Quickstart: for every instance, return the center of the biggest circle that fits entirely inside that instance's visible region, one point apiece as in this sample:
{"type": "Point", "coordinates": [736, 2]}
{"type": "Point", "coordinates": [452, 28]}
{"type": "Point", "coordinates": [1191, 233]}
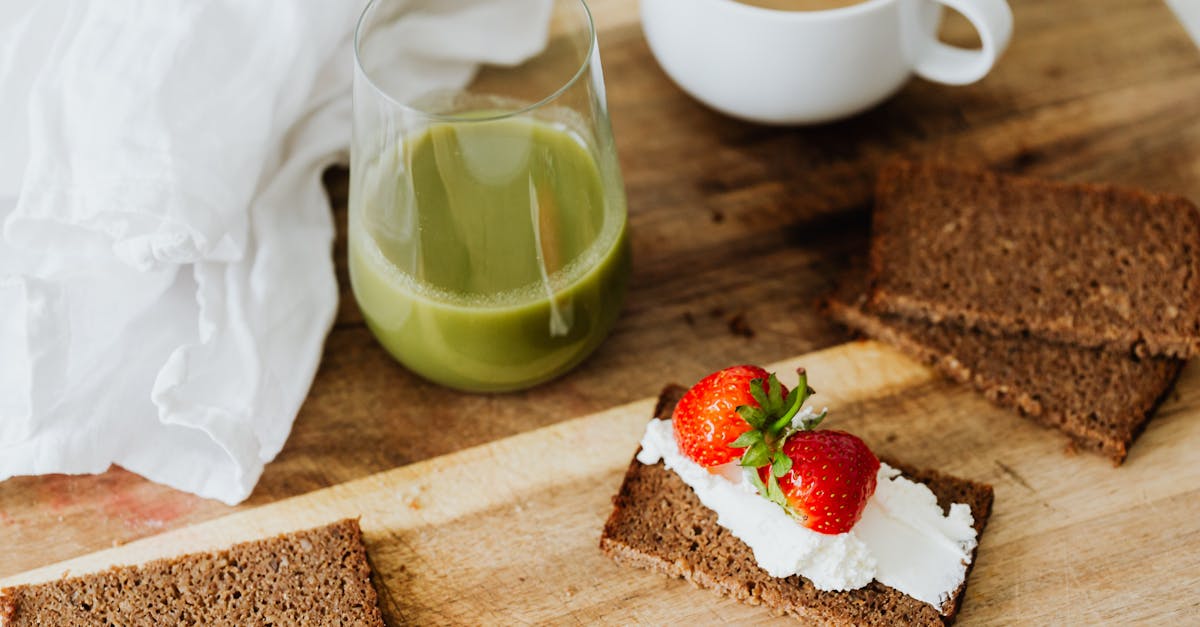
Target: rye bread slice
{"type": "Point", "coordinates": [658, 524]}
{"type": "Point", "coordinates": [314, 577]}
{"type": "Point", "coordinates": [1092, 265]}
{"type": "Point", "coordinates": [1102, 400]}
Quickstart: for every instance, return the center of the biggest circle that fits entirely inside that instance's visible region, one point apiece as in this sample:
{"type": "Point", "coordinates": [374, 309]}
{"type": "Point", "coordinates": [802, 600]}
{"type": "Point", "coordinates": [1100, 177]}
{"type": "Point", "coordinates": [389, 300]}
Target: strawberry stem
{"type": "Point", "coordinates": [795, 401]}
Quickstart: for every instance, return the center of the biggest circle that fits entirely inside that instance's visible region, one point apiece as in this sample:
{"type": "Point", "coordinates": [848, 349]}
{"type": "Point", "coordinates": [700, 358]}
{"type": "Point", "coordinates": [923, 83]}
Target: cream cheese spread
{"type": "Point", "coordinates": [903, 539]}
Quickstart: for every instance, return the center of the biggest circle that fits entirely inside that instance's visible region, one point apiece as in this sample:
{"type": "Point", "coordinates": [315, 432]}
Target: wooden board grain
{"type": "Point", "coordinates": [507, 533]}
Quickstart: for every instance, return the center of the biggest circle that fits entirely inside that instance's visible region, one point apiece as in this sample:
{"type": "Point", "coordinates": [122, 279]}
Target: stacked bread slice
{"type": "Point", "coordinates": [1075, 304]}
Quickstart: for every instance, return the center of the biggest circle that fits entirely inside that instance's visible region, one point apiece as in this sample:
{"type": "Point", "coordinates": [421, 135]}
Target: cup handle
{"type": "Point", "coordinates": [951, 65]}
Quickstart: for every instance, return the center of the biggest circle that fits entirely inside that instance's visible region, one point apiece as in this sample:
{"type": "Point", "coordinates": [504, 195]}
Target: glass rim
{"type": "Point", "coordinates": [441, 117]}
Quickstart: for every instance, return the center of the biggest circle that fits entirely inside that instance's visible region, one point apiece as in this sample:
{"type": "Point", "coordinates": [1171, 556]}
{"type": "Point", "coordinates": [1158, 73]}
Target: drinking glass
{"type": "Point", "coordinates": [487, 241]}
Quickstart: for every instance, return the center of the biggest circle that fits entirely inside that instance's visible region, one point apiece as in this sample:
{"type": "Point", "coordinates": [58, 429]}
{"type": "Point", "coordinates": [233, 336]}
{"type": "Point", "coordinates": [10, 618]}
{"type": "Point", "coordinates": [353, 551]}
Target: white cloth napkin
{"type": "Point", "coordinates": [1188, 12]}
{"type": "Point", "coordinates": [166, 280]}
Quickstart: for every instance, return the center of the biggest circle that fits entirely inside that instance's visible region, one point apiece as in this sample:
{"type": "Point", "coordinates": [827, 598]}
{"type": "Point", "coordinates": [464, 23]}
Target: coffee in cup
{"type": "Point", "coordinates": [801, 5]}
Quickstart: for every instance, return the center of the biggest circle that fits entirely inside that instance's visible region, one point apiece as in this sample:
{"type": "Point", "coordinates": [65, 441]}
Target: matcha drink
{"type": "Point", "coordinates": [489, 255]}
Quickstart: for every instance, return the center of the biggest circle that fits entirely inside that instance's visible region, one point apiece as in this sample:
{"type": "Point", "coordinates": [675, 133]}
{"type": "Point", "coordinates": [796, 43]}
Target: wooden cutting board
{"type": "Point", "coordinates": [507, 532]}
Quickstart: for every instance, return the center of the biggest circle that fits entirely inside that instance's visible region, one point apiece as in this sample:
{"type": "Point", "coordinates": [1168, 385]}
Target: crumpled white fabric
{"type": "Point", "coordinates": [166, 280]}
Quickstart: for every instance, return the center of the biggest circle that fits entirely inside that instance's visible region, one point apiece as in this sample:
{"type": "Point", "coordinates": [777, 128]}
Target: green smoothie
{"type": "Point", "coordinates": [489, 255]}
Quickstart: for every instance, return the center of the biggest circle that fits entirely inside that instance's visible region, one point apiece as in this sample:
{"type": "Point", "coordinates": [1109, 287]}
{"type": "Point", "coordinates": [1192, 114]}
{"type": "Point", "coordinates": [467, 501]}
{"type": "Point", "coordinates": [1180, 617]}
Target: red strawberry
{"type": "Point", "coordinates": [821, 478]}
{"type": "Point", "coordinates": [706, 419]}
{"type": "Point", "coordinates": [831, 477]}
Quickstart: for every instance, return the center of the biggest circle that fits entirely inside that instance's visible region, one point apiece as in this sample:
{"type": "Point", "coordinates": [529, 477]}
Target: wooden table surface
{"type": "Point", "coordinates": [736, 229]}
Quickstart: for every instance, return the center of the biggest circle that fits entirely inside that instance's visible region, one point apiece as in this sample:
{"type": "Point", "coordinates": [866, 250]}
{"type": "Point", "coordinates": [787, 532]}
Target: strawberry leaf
{"type": "Point", "coordinates": [756, 390]}
{"type": "Point", "coordinates": [774, 492]}
{"type": "Point", "coordinates": [754, 416]}
{"type": "Point", "coordinates": [756, 455]}
{"type": "Point", "coordinates": [791, 397]}
{"type": "Point", "coordinates": [810, 422]}
{"type": "Point", "coordinates": [781, 464]}
{"type": "Point", "coordinates": [774, 394]}
{"type": "Point", "coordinates": [746, 439]}
{"type": "Point", "coordinates": [756, 481]}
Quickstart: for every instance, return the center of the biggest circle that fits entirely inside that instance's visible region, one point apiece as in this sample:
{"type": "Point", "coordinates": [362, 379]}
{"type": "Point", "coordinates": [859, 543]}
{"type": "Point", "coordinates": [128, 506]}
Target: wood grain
{"type": "Point", "coordinates": [736, 229]}
{"type": "Point", "coordinates": [507, 533]}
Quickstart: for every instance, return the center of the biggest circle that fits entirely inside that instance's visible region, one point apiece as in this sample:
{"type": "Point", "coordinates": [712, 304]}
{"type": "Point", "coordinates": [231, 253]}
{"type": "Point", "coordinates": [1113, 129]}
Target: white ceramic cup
{"type": "Point", "coordinates": [804, 67]}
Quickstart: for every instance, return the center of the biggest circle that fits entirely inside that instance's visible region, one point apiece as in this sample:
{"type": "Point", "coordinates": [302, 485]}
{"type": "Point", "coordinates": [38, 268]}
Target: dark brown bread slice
{"type": "Point", "coordinates": [1093, 265]}
{"type": "Point", "coordinates": [658, 524]}
{"type": "Point", "coordinates": [313, 577]}
{"type": "Point", "coordinates": [1101, 399]}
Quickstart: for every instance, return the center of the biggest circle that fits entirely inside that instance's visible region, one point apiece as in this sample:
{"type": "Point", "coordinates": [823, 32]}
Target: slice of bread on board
{"type": "Point", "coordinates": [314, 577]}
{"type": "Point", "coordinates": [659, 524]}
